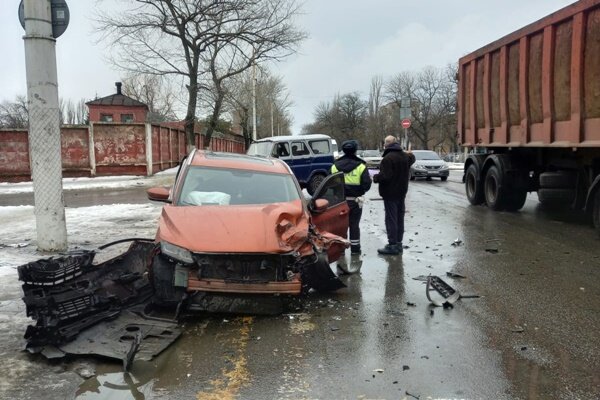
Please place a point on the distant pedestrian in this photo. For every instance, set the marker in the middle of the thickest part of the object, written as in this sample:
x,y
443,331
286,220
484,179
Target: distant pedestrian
x,y
393,179
357,182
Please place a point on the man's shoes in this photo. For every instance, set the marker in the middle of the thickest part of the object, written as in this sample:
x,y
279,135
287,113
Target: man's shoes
x,y
355,249
390,249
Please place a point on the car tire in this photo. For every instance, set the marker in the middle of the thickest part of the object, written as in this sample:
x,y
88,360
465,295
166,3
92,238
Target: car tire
x,y
314,183
558,180
412,178
473,187
444,178
496,194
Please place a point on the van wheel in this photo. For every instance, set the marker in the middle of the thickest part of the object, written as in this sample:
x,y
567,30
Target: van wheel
x,y
314,183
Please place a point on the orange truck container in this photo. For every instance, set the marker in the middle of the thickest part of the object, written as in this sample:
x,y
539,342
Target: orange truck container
x,y
529,114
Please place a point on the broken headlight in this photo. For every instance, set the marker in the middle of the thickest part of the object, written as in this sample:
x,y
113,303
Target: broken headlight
x,y
176,252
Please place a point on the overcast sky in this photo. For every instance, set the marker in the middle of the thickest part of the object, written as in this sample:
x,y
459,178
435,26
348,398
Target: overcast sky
x,y
349,42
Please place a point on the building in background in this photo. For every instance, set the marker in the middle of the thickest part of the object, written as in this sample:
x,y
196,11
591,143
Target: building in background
x,y
117,108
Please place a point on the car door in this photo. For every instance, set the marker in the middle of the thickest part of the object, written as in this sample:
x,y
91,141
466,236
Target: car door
x,y
301,160
335,218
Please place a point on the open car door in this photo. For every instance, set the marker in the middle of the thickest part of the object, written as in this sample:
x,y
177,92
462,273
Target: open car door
x,y
335,218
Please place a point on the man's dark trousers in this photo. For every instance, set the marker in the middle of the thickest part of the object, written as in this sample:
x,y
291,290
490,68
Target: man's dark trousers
x,y
354,220
394,220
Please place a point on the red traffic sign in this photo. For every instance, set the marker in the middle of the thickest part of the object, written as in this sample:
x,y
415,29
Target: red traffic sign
x,y
406,123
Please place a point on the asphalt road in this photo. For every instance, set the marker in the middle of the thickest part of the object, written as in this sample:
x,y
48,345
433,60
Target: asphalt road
x,y
531,333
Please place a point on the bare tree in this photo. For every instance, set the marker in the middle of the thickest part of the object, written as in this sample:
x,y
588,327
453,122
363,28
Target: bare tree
x,y
264,32
375,133
343,118
170,37
430,92
73,113
272,104
14,114
155,92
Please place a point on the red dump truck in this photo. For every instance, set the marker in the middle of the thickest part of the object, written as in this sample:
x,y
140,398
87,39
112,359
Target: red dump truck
x,y
529,114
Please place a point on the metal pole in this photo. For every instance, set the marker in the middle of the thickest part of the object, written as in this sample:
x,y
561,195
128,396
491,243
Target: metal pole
x,y
272,128
44,126
254,101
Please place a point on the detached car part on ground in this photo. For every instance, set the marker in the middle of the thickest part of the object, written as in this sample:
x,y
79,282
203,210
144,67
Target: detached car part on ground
x,y
236,235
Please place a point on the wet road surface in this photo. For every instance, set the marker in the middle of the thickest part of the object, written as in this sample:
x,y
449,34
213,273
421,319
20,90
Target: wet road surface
x,y
531,335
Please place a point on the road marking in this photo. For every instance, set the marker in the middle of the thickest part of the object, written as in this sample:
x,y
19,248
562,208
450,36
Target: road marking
x,y
237,376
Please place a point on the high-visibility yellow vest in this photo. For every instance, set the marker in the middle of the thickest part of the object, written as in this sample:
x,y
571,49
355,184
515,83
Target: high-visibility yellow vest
x,y
352,177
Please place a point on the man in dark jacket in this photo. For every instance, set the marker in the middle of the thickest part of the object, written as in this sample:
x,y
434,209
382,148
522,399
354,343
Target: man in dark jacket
x,y
357,182
393,179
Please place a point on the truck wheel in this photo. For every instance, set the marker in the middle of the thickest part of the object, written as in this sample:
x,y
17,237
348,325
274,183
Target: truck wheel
x,y
496,195
596,211
314,183
558,180
556,197
473,187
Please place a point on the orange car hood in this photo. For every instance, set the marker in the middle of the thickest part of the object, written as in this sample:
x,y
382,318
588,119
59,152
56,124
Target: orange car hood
x,y
267,228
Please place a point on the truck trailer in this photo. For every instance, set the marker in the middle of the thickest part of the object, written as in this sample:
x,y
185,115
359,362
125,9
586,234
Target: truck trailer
x,y
529,114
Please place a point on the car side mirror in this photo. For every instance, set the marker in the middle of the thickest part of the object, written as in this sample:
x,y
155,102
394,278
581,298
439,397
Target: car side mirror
x,y
158,194
320,205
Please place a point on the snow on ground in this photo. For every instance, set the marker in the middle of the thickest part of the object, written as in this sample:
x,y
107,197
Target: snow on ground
x,y
87,227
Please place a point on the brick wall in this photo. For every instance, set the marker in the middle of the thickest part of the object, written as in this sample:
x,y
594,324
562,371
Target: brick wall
x,y
118,149
139,113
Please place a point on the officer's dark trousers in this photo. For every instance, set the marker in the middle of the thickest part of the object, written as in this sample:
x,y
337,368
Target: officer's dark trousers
x,y
394,220
355,214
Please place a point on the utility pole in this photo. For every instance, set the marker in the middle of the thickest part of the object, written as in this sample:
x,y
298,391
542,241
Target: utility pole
x,y
44,126
253,99
272,128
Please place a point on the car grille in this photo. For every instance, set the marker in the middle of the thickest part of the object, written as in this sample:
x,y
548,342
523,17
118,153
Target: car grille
x,y
433,167
242,268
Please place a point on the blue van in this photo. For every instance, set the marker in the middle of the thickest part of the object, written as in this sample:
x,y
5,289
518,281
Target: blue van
x,y
310,157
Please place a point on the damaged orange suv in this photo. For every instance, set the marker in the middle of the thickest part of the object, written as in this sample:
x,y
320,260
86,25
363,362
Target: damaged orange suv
x,y
237,229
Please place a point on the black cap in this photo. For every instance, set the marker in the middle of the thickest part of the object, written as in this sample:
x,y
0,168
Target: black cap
x,y
350,147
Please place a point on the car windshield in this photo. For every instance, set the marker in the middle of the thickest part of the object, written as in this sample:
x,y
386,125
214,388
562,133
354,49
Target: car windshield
x,y
426,155
260,149
223,187
371,153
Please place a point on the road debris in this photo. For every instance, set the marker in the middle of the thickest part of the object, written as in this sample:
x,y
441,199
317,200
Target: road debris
x,y
450,295
457,242
517,329
455,275
412,395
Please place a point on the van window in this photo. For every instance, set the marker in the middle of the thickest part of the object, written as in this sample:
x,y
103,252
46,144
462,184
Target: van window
x,y
281,150
319,146
299,149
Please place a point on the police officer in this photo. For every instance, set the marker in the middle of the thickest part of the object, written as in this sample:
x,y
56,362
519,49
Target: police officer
x,y
357,182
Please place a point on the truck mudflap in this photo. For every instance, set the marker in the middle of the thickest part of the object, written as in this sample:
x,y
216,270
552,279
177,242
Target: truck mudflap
x,y
68,295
